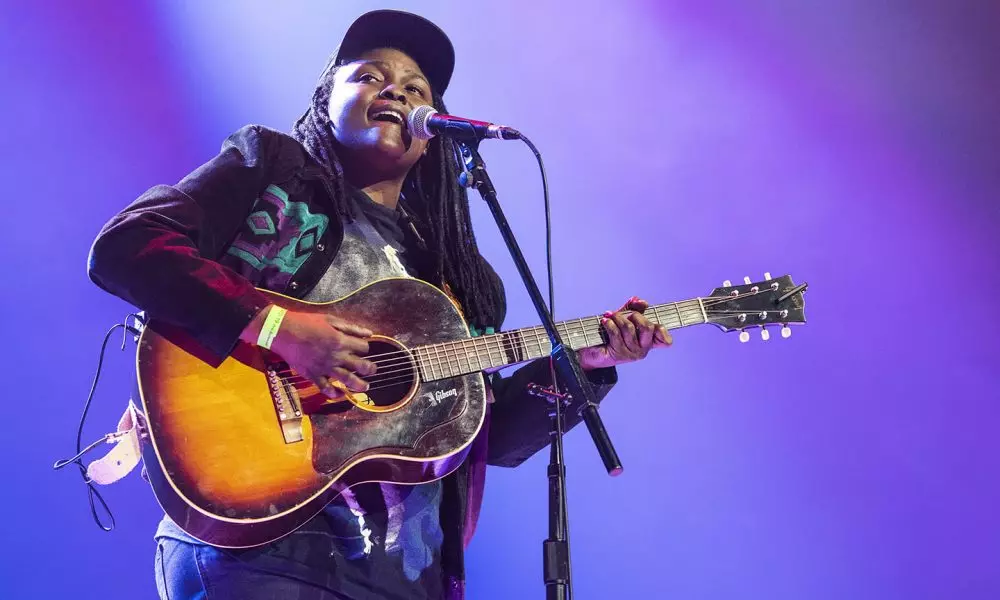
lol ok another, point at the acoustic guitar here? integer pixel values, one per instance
(244, 451)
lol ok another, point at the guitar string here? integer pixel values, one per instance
(460, 349)
(407, 371)
(585, 324)
(401, 376)
(505, 343)
(375, 383)
(578, 327)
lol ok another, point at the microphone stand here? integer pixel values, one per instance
(556, 548)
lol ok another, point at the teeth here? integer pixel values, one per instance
(393, 115)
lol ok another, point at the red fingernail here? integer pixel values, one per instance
(608, 314)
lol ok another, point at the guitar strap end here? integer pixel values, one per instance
(127, 450)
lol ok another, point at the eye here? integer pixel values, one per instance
(367, 77)
(415, 90)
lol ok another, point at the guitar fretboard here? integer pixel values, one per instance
(451, 359)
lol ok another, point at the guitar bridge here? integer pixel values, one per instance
(287, 405)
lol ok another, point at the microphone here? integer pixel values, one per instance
(424, 123)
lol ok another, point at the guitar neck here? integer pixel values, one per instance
(451, 359)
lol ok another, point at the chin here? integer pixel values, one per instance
(393, 152)
(384, 153)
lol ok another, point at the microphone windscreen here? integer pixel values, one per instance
(419, 120)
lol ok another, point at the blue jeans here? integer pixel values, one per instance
(187, 571)
(302, 566)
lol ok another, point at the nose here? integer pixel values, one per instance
(393, 92)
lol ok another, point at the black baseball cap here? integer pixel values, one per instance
(422, 40)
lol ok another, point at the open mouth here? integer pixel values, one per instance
(388, 115)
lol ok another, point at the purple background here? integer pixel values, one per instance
(851, 144)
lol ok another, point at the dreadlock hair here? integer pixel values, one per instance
(437, 205)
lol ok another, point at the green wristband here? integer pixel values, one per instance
(271, 325)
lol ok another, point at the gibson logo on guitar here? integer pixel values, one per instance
(243, 452)
(435, 398)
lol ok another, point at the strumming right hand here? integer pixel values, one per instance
(324, 349)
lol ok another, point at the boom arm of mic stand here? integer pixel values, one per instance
(565, 360)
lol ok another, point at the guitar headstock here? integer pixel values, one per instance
(772, 302)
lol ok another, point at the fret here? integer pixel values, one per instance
(513, 344)
(489, 351)
(564, 332)
(439, 359)
(458, 357)
(583, 332)
(680, 319)
(518, 346)
(421, 371)
(569, 335)
(538, 342)
(421, 365)
(435, 362)
(527, 336)
(701, 305)
(446, 363)
(505, 344)
(586, 337)
(503, 355)
(476, 351)
(459, 350)
(468, 358)
(453, 354)
(425, 361)
(659, 318)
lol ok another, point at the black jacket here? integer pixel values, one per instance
(260, 214)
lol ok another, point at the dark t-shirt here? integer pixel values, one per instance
(389, 536)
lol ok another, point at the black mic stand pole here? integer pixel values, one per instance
(556, 548)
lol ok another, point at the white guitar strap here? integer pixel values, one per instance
(125, 455)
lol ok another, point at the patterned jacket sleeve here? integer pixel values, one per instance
(158, 253)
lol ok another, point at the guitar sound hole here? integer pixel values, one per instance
(396, 375)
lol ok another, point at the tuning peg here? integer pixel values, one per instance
(746, 279)
(767, 276)
(727, 283)
(786, 332)
(744, 336)
(765, 334)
